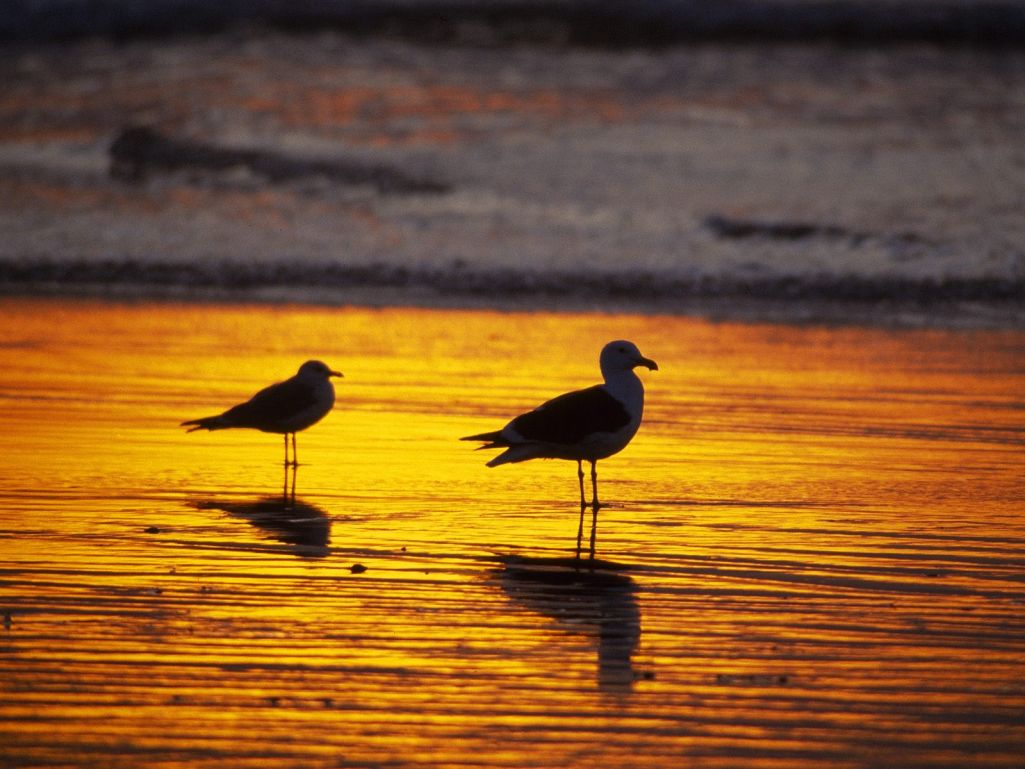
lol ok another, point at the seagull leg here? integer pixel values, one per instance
(295, 456)
(583, 505)
(594, 505)
(286, 449)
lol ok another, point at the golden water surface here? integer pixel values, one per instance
(819, 537)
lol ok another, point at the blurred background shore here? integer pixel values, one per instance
(792, 161)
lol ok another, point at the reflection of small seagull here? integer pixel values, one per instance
(589, 424)
(305, 527)
(286, 407)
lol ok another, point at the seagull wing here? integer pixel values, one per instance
(272, 404)
(569, 418)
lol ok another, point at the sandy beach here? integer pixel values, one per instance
(760, 180)
(809, 213)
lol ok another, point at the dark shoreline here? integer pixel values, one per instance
(832, 299)
(589, 23)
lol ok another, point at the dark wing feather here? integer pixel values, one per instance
(272, 404)
(569, 418)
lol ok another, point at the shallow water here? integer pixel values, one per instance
(817, 537)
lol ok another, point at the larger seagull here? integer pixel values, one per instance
(285, 408)
(583, 425)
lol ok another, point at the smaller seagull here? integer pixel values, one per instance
(286, 407)
(589, 424)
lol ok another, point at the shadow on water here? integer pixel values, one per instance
(283, 517)
(583, 598)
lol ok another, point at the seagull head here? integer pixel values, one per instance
(623, 356)
(315, 369)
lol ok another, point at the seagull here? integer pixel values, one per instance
(589, 424)
(286, 407)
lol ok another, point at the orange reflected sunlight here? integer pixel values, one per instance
(811, 546)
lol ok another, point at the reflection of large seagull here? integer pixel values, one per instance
(589, 424)
(286, 407)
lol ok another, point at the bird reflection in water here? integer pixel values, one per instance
(594, 602)
(285, 518)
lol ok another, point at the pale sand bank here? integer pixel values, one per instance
(790, 182)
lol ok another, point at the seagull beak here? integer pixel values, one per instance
(338, 374)
(648, 362)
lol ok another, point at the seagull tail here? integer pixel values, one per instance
(514, 453)
(494, 438)
(206, 423)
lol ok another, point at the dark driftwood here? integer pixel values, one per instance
(140, 152)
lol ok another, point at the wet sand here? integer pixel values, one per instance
(817, 538)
